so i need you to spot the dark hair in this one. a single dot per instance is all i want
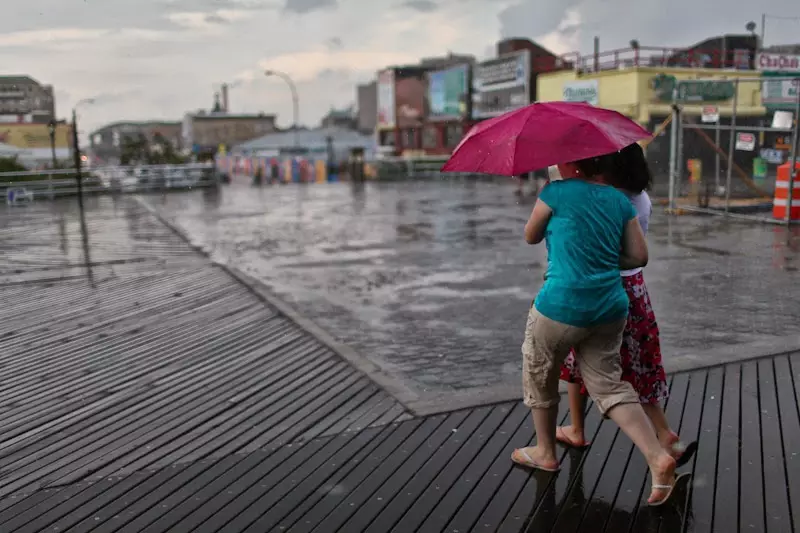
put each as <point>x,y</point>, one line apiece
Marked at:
<point>598,166</point>
<point>630,170</point>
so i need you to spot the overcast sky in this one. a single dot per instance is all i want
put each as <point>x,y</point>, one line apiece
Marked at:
<point>157,59</point>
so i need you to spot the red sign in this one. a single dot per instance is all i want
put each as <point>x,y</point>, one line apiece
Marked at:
<point>779,62</point>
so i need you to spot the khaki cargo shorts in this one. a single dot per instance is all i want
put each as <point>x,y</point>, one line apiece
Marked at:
<point>547,344</point>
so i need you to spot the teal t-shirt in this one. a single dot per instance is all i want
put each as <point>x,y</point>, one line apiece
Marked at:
<point>583,287</point>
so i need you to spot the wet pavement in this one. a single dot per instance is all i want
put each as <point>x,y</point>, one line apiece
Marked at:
<point>432,280</point>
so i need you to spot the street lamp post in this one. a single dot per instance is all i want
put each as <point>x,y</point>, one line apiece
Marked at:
<point>51,126</point>
<point>295,100</point>
<point>77,150</point>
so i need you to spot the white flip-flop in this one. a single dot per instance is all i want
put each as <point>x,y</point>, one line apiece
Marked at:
<point>529,462</point>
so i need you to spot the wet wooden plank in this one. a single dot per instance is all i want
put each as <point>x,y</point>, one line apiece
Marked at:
<point>406,498</point>
<point>455,466</point>
<point>727,494</point>
<point>630,507</point>
<point>787,380</point>
<point>700,515</point>
<point>268,513</point>
<point>751,474</point>
<point>776,500</point>
<point>367,475</point>
<point>459,493</point>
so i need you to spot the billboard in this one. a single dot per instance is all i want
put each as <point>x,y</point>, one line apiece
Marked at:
<point>34,135</point>
<point>409,101</point>
<point>448,93</point>
<point>386,102</point>
<point>501,85</point>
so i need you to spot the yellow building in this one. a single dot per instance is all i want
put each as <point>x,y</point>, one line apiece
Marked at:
<point>645,92</point>
<point>35,136</point>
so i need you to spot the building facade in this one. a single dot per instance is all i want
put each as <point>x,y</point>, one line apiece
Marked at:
<point>367,103</point>
<point>208,132</point>
<point>642,83</point>
<point>25,100</point>
<point>106,143</point>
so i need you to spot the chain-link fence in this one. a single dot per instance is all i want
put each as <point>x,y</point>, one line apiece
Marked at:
<point>738,157</point>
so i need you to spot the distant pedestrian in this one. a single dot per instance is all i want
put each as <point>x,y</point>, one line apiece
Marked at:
<point>640,354</point>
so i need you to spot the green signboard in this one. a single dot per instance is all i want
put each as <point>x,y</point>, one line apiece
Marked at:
<point>448,93</point>
<point>780,93</point>
<point>759,169</point>
<point>664,85</point>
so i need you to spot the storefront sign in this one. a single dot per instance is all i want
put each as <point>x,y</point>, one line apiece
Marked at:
<point>386,102</point>
<point>501,84</point>
<point>778,62</point>
<point>34,135</point>
<point>448,93</point>
<point>665,85</point>
<point>582,91</point>
<point>779,93</point>
<point>745,142</point>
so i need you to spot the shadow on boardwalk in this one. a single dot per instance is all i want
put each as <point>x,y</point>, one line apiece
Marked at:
<point>170,398</point>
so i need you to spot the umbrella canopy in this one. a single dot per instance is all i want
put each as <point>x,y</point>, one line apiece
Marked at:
<point>541,135</point>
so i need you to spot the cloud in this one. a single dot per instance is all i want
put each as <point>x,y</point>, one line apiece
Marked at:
<point>425,6</point>
<point>168,57</point>
<point>306,6</point>
<point>334,43</point>
<point>204,21</point>
<point>306,66</point>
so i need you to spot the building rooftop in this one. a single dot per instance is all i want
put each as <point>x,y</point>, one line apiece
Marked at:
<point>231,116</point>
<point>310,139</point>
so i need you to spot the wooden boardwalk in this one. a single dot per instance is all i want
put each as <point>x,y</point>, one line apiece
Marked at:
<point>165,397</point>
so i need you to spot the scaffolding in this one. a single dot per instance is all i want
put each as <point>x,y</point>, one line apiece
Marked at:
<point>740,139</point>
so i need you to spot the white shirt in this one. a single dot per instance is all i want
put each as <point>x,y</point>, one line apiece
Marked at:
<point>644,208</point>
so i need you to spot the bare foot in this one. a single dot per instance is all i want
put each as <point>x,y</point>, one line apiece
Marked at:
<point>571,436</point>
<point>662,470</point>
<point>535,457</point>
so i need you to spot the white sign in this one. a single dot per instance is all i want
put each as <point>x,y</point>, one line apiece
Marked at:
<point>710,114</point>
<point>772,156</point>
<point>501,84</point>
<point>778,62</point>
<point>386,102</point>
<point>582,91</point>
<point>783,120</point>
<point>746,142</point>
<point>779,91</point>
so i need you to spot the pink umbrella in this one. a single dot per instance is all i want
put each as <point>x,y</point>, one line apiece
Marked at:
<point>540,135</point>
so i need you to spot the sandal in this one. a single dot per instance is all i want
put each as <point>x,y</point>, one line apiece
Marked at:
<point>522,458</point>
<point>563,438</point>
<point>683,456</point>
<point>668,488</point>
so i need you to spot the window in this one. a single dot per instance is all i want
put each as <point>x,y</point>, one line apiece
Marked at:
<point>387,138</point>
<point>410,139</point>
<point>430,137</point>
<point>453,134</point>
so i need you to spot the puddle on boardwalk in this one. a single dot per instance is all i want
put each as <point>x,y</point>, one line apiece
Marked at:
<point>434,280</point>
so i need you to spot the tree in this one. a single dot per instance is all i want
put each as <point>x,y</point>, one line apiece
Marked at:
<point>139,150</point>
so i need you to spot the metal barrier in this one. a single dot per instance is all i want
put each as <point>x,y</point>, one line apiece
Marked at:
<point>50,184</point>
<point>726,157</point>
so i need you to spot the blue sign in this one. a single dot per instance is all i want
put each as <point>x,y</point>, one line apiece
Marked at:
<point>448,92</point>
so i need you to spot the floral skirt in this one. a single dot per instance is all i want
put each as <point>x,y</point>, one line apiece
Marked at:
<point>640,355</point>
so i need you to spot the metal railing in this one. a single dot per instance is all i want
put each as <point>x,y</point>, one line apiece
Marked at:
<point>50,184</point>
